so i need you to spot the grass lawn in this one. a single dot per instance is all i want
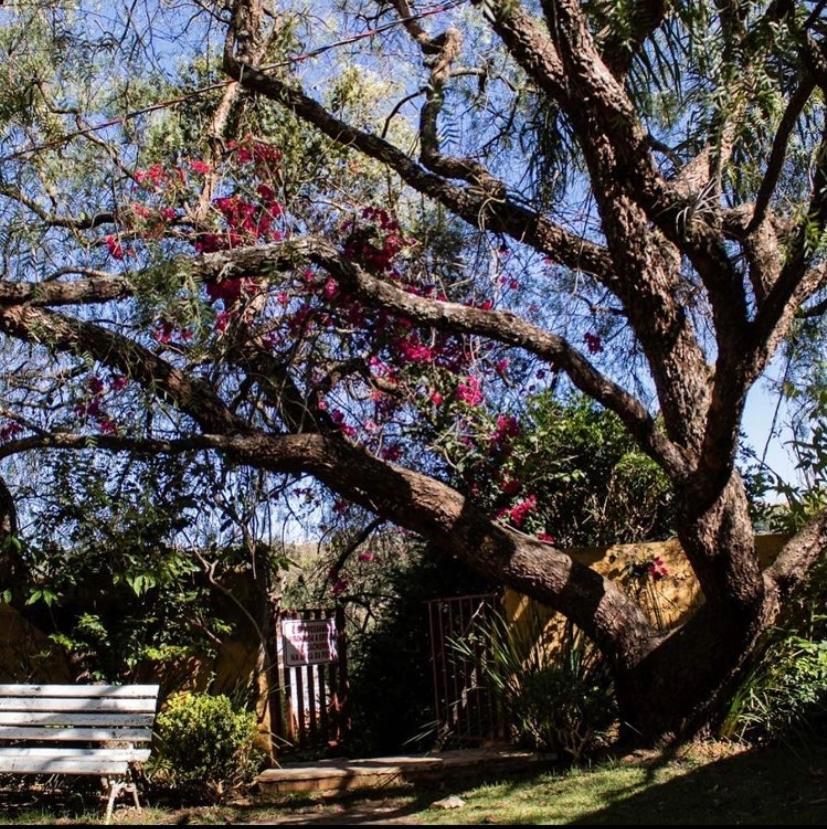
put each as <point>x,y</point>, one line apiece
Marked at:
<point>771,786</point>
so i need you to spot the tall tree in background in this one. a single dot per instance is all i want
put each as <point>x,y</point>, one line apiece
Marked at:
<point>647,179</point>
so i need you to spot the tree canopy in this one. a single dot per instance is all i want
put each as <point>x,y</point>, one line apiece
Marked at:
<point>350,240</point>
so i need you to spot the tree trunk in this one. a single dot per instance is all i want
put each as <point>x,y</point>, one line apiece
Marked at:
<point>686,679</point>
<point>685,683</point>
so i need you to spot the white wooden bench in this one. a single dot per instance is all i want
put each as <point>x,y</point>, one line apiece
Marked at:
<point>106,727</point>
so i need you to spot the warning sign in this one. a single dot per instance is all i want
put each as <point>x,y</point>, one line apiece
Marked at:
<point>308,641</point>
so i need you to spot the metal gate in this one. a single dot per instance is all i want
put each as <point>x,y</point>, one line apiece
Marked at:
<point>310,708</point>
<point>466,708</point>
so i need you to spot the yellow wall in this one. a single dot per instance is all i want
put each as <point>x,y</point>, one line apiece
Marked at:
<point>667,602</point>
<point>26,655</point>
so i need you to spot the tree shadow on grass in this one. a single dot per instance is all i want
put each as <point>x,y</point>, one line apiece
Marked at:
<point>780,785</point>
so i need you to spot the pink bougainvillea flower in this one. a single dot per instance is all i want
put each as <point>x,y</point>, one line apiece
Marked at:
<point>227,290</point>
<point>96,386</point>
<point>415,351</point>
<point>212,242</point>
<point>91,408</point>
<point>114,246</point>
<point>507,427</point>
<point>519,512</point>
<point>367,555</point>
<point>119,383</point>
<point>108,426</point>
<point>657,568</point>
<point>222,320</point>
<point>200,167</point>
<point>265,153</point>
<point>593,343</point>
<point>163,333</point>
<point>469,391</point>
<point>436,398</point>
<point>339,586</point>
<point>157,174</point>
<point>392,452</point>
<point>9,430</point>
<point>510,486</point>
<point>331,288</point>
<point>548,539</point>
<point>140,211</point>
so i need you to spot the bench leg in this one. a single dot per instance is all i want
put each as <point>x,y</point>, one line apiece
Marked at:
<point>133,787</point>
<point>114,789</point>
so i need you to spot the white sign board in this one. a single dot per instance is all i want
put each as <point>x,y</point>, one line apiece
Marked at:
<point>308,641</point>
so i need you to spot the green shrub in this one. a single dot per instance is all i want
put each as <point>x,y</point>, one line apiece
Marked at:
<point>555,690</point>
<point>393,653</point>
<point>206,745</point>
<point>786,692</point>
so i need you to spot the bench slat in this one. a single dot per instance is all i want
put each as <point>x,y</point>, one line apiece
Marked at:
<point>77,705</point>
<point>34,765</point>
<point>57,718</point>
<point>84,755</point>
<point>119,691</point>
<point>85,735</point>
<point>83,713</point>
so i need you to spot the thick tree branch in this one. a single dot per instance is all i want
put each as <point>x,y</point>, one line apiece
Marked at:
<point>619,49</point>
<point>424,505</point>
<point>99,289</point>
<point>502,326</point>
<point>509,329</point>
<point>439,54</point>
<point>775,162</point>
<point>63,334</point>
<point>473,205</point>
<point>795,282</point>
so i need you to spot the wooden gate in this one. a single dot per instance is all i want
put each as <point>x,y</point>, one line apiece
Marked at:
<point>466,709</point>
<point>309,711</point>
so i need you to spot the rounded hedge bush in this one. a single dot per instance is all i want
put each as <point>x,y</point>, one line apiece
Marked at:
<point>205,744</point>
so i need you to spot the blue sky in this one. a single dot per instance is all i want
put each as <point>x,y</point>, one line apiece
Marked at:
<point>758,428</point>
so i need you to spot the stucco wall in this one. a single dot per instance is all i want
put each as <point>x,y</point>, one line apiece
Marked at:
<point>667,601</point>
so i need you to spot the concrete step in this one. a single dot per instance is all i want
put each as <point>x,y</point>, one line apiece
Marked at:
<point>339,776</point>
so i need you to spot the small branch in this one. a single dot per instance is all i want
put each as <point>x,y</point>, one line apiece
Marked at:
<point>80,223</point>
<point>775,163</point>
<point>797,556</point>
<point>348,551</point>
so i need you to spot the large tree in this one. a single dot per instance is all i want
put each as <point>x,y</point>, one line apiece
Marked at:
<point>662,165</point>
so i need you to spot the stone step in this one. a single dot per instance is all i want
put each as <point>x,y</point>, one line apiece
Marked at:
<point>339,776</point>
